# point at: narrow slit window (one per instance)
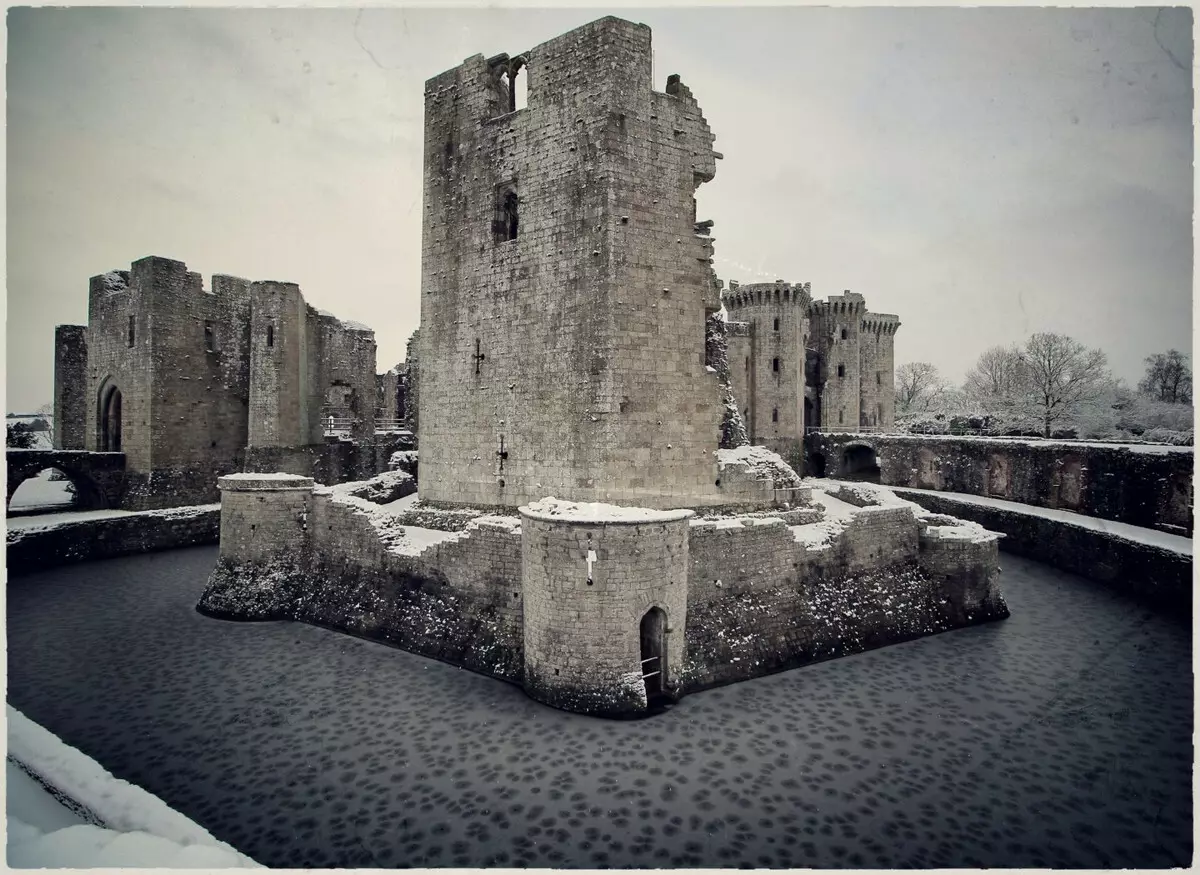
(507, 220)
(210, 339)
(774, 414)
(132, 329)
(840, 412)
(270, 335)
(776, 324)
(844, 334)
(841, 370)
(878, 378)
(775, 365)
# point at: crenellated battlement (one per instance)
(779, 292)
(880, 323)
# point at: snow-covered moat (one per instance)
(1060, 737)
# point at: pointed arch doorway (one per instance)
(110, 419)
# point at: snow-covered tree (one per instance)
(1168, 378)
(1066, 379)
(917, 385)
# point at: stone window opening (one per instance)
(841, 370)
(210, 339)
(507, 219)
(132, 329)
(270, 335)
(774, 414)
(878, 378)
(775, 365)
(776, 324)
(845, 334)
(840, 412)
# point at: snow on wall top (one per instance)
(553, 510)
(151, 832)
(761, 462)
(20, 526)
(1153, 449)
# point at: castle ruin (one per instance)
(578, 528)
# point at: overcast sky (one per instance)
(983, 173)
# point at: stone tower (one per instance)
(877, 370)
(833, 335)
(566, 281)
(770, 357)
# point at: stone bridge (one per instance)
(98, 478)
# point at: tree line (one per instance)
(1052, 386)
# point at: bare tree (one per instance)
(1064, 377)
(1168, 378)
(998, 379)
(917, 385)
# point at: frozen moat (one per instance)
(1061, 737)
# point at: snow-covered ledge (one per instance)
(101, 821)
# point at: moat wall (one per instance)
(1154, 575)
(33, 547)
(1142, 486)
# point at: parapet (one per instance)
(778, 292)
(880, 323)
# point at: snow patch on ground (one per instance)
(1150, 537)
(141, 830)
(598, 512)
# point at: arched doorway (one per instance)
(654, 654)
(859, 463)
(110, 419)
(816, 465)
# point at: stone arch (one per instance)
(859, 462)
(652, 633)
(88, 493)
(109, 421)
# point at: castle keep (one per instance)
(565, 281)
(192, 383)
(578, 528)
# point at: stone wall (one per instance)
(569, 359)
(508, 597)
(47, 542)
(70, 387)
(1148, 486)
(1154, 575)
